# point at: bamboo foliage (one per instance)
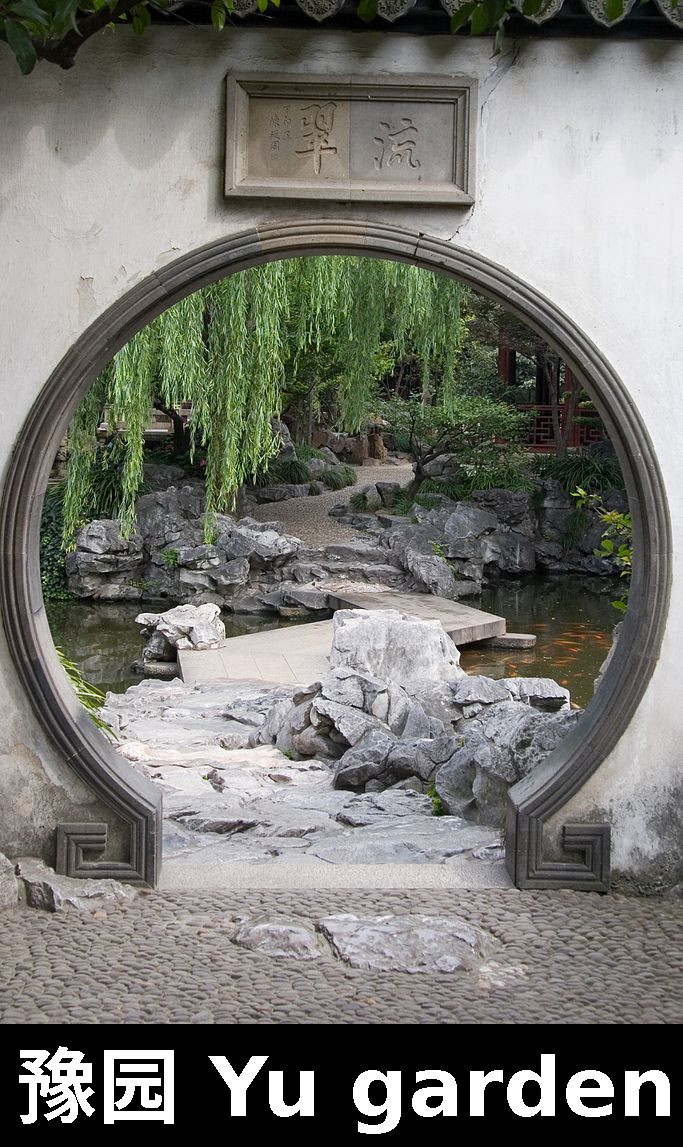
(228, 348)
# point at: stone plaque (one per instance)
(351, 138)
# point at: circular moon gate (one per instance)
(534, 800)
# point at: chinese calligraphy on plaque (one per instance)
(354, 139)
(396, 146)
(317, 122)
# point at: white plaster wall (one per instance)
(115, 168)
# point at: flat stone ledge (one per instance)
(510, 641)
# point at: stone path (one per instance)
(291, 655)
(236, 810)
(308, 518)
(555, 958)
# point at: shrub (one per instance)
(306, 453)
(170, 558)
(52, 571)
(358, 502)
(590, 472)
(437, 804)
(283, 472)
(337, 477)
(616, 543)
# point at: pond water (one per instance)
(572, 617)
(102, 639)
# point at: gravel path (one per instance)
(308, 518)
(562, 958)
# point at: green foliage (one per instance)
(616, 544)
(285, 471)
(404, 502)
(91, 698)
(444, 489)
(478, 433)
(235, 348)
(576, 526)
(589, 471)
(308, 453)
(52, 571)
(102, 483)
(358, 502)
(106, 480)
(54, 30)
(337, 477)
(437, 803)
(477, 372)
(170, 557)
(512, 470)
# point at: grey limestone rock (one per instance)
(393, 647)
(286, 937)
(44, 889)
(497, 748)
(539, 692)
(9, 886)
(187, 626)
(409, 943)
(104, 537)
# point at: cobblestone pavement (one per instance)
(565, 958)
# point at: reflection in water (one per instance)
(572, 617)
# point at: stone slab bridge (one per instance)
(299, 654)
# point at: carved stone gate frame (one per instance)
(579, 856)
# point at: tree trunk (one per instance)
(181, 431)
(413, 487)
(551, 374)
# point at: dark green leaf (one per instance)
(614, 9)
(21, 44)
(367, 10)
(65, 14)
(218, 15)
(141, 19)
(261, 5)
(532, 7)
(460, 18)
(30, 10)
(481, 20)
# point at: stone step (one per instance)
(511, 641)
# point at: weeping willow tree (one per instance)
(231, 349)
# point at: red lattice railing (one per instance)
(540, 437)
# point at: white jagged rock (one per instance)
(187, 626)
(394, 647)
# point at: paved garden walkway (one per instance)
(308, 518)
(563, 958)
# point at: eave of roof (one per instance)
(657, 19)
